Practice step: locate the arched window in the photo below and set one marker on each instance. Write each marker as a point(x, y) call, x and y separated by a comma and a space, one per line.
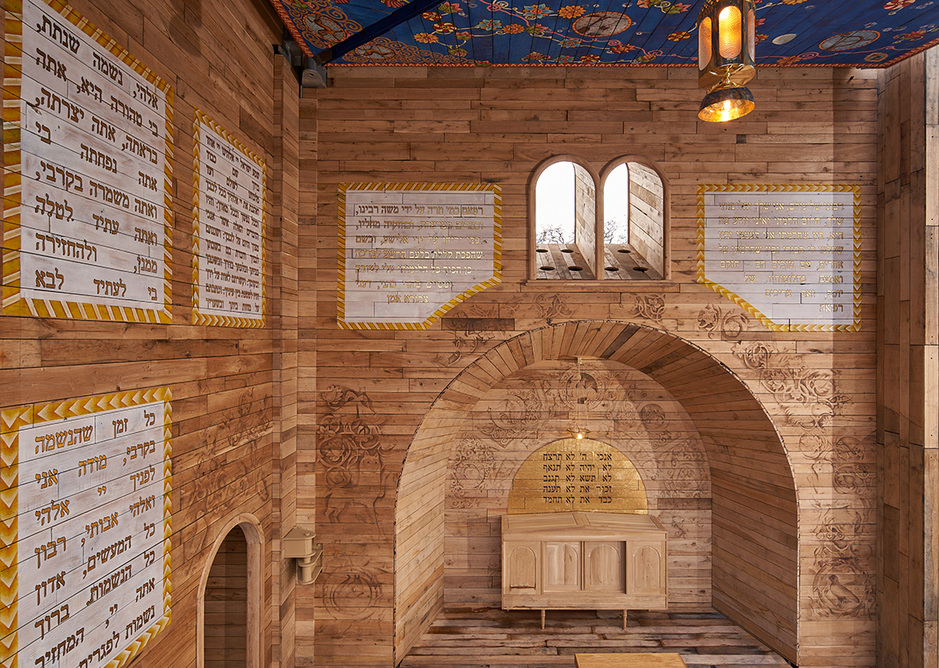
point(634, 222)
point(619, 233)
point(565, 222)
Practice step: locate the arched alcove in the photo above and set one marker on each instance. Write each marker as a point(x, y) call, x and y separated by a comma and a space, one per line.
point(229, 604)
point(755, 555)
point(635, 431)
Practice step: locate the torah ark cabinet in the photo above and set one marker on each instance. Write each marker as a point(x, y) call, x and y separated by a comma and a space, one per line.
point(583, 561)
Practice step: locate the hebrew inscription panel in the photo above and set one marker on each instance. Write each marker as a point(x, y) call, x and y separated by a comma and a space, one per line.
point(409, 252)
point(577, 474)
point(86, 485)
point(790, 254)
point(88, 140)
point(228, 229)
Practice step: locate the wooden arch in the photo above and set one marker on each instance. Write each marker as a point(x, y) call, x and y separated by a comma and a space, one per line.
point(755, 550)
point(254, 537)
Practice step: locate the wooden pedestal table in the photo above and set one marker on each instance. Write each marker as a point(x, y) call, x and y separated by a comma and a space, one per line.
point(583, 561)
point(638, 660)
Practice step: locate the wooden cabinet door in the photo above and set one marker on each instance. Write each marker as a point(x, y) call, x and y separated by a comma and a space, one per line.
point(520, 573)
point(645, 568)
point(603, 566)
point(561, 566)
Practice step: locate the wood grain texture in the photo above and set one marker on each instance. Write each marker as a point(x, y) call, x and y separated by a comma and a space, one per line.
point(907, 391)
point(776, 413)
point(218, 59)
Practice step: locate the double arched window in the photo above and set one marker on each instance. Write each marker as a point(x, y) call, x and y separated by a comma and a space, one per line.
point(618, 231)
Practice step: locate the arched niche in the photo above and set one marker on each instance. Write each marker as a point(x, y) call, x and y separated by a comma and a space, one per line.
point(249, 526)
point(640, 454)
point(755, 569)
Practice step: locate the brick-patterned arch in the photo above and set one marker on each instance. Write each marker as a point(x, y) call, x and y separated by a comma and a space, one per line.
point(755, 556)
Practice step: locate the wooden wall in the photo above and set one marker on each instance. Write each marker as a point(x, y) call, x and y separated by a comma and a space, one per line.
point(307, 366)
point(647, 215)
point(528, 410)
point(234, 390)
point(585, 216)
point(908, 364)
point(392, 404)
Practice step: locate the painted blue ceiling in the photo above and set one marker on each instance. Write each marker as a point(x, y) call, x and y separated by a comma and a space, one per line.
point(861, 33)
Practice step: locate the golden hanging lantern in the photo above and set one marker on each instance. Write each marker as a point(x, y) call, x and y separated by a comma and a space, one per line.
point(726, 58)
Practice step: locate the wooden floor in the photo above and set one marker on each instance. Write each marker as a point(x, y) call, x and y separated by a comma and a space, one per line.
point(498, 639)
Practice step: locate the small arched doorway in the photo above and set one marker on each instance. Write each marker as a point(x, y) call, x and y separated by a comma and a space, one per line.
point(230, 597)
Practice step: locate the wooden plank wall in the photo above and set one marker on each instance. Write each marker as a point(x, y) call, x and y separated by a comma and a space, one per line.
point(307, 277)
point(585, 217)
point(285, 266)
point(521, 414)
point(646, 214)
point(908, 364)
point(226, 421)
point(383, 451)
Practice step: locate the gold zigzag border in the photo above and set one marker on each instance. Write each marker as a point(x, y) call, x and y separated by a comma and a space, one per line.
point(495, 188)
point(212, 319)
point(12, 420)
point(782, 188)
point(13, 301)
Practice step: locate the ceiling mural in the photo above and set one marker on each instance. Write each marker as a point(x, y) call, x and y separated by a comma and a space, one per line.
point(863, 33)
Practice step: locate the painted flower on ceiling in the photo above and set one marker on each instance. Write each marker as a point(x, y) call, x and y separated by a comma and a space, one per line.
point(448, 7)
point(589, 58)
point(430, 16)
point(678, 36)
point(464, 36)
point(571, 11)
point(536, 30)
point(444, 28)
point(570, 43)
point(664, 6)
point(426, 37)
point(534, 55)
point(513, 29)
point(535, 11)
point(911, 36)
point(489, 25)
point(616, 47)
point(894, 5)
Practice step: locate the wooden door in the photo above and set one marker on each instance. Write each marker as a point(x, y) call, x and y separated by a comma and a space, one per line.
point(226, 605)
point(603, 567)
point(521, 567)
point(561, 567)
point(645, 569)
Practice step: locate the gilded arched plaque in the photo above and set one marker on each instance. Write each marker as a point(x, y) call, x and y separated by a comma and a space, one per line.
point(577, 475)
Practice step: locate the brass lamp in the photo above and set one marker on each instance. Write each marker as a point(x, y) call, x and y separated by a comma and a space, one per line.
point(726, 55)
